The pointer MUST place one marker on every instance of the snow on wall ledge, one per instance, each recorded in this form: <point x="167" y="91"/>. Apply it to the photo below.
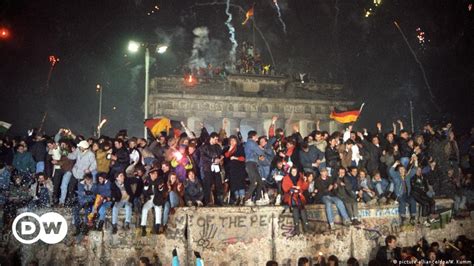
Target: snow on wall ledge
<point x="234" y="236"/>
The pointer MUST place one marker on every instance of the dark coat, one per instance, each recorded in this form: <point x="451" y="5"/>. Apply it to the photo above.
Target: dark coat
<point x="38" y="150"/>
<point x="332" y="157"/>
<point x="208" y="154"/>
<point x="156" y="189"/>
<point x="117" y="194"/>
<point x="123" y="158"/>
<point x="381" y="256"/>
<point x="373" y="155"/>
<point x="84" y="195"/>
<point x="193" y="191"/>
<point x="134" y="187"/>
<point x="235" y="169"/>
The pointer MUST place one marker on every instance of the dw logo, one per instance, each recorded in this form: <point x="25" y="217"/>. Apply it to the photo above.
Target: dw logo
<point x="50" y="228"/>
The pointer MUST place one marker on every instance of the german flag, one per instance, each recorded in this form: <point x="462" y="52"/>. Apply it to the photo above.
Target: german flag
<point x="158" y="125"/>
<point x="346" y="117"/>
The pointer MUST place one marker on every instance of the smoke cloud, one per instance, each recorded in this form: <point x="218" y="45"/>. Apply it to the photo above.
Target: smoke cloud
<point x="200" y="47"/>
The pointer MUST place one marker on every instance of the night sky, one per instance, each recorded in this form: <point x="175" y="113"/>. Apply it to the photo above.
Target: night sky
<point x="331" y="40"/>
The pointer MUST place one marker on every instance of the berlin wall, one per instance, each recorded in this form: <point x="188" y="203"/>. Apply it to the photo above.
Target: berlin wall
<point x="235" y="236"/>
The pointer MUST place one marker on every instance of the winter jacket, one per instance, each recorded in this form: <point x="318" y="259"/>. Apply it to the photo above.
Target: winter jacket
<point x="252" y="151"/>
<point x="290" y="193"/>
<point x="344" y="192"/>
<point x="405" y="150"/>
<point x="105" y="189"/>
<point x="24" y="162"/>
<point x="323" y="186"/>
<point x="103" y="164"/>
<point x="116" y="192"/>
<point x="84" y="161"/>
<point x="419" y="185"/>
<point x="86" y="193"/>
<point x="373" y="159"/>
<point x="398" y="181"/>
<point x="235" y="169"/>
<point x="208" y="154"/>
<point x="193" y="191"/>
<point x="155" y="188"/>
<point x="6" y="154"/>
<point x="181" y="166"/>
<point x="123" y="159"/>
<point x="384" y="186"/>
<point x="308" y="158"/>
<point x="38" y="151"/>
<point x="332" y="157"/>
<point x="36" y="190"/>
<point x="134" y="187"/>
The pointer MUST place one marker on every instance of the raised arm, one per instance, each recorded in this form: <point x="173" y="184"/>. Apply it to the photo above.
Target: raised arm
<point x="400" y="123"/>
<point x="271" y="129"/>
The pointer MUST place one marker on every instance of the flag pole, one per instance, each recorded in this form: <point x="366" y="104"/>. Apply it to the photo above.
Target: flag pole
<point x="360" y="111"/>
<point x="361" y="107"/>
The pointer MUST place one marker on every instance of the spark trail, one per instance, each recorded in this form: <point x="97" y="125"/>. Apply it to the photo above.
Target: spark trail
<point x="432" y="97"/>
<point x="241" y="9"/>
<point x="231" y="32"/>
<point x="279" y="15"/>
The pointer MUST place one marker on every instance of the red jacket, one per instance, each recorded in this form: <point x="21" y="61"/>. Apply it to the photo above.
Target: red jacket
<point x="287" y="186"/>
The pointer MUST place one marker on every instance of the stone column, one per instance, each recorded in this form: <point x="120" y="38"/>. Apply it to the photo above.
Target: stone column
<point x="306" y="127"/>
<point x="194" y="124"/>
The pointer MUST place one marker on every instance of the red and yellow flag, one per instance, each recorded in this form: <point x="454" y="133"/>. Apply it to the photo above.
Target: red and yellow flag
<point x="346" y="117"/>
<point x="248" y="15"/>
<point x="158" y="125"/>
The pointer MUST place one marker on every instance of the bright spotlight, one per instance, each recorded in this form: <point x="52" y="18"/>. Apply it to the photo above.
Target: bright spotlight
<point x="133" y="46"/>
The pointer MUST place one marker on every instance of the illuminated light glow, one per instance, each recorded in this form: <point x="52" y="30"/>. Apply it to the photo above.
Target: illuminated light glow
<point x="133" y="46"/>
<point x="53" y="60"/>
<point x="156" y="7"/>
<point x="98" y="86"/>
<point x="469" y="7"/>
<point x="190" y="80"/>
<point x="162" y="49"/>
<point x="368" y="13"/>
<point x="114" y="108"/>
<point x="377" y="2"/>
<point x="4" y="33"/>
<point x="178" y="155"/>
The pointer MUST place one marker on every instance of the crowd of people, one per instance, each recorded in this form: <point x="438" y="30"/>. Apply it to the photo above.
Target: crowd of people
<point x="457" y="252"/>
<point x="344" y="168"/>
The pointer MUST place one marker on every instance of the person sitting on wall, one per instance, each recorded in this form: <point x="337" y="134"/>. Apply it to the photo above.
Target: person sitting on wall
<point x="85" y="199"/>
<point x="153" y="193"/>
<point x="193" y="192"/>
<point x="325" y="187"/>
<point x="294" y="186"/>
<point x="121" y="196"/>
